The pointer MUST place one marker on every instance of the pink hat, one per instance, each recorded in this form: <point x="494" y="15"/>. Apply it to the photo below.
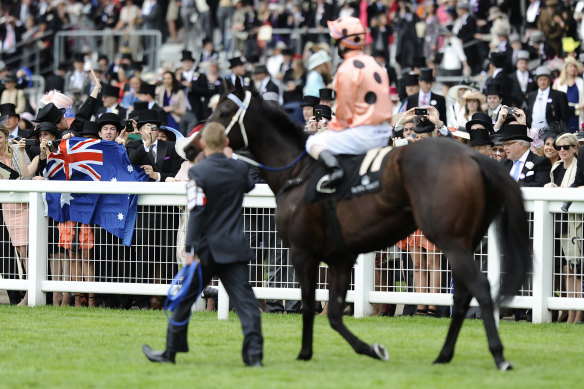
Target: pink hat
<point x="59" y="99"/>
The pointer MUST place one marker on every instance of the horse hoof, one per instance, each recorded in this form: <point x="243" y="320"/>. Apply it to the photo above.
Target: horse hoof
<point x="506" y="365"/>
<point x="380" y="352"/>
<point x="442" y="360"/>
<point x="304" y="356"/>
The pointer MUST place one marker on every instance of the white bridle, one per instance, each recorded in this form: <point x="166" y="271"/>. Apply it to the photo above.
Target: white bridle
<point x="240" y="114"/>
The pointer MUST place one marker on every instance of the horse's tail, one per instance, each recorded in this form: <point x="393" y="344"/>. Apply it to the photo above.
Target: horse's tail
<point x="512" y="225"/>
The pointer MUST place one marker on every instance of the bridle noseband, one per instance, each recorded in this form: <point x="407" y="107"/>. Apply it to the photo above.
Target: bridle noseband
<point x="240" y="114"/>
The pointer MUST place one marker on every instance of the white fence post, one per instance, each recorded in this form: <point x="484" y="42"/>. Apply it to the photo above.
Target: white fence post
<point x="222" y="303"/>
<point x="364" y="280"/>
<point x="37" y="250"/>
<point x="494" y="264"/>
<point x="543" y="243"/>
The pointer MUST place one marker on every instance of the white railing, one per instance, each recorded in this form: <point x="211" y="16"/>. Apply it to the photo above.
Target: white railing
<point x="541" y="203"/>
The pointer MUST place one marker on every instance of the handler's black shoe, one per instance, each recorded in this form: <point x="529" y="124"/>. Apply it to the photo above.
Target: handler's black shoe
<point x="254" y="362"/>
<point x="158" y="356"/>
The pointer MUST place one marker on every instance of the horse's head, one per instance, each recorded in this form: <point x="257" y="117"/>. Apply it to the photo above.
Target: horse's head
<point x="232" y="112"/>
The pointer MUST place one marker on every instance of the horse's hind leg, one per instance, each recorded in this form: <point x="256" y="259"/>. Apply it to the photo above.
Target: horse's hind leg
<point x="306" y="270"/>
<point x="462" y="299"/>
<point x="465" y="270"/>
<point x="339" y="277"/>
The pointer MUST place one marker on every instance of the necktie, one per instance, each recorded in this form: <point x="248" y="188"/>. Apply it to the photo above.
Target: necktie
<point x="517" y="171"/>
<point x="424" y="99"/>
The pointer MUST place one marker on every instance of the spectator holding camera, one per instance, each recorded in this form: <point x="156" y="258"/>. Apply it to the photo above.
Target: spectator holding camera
<point x="318" y="122"/>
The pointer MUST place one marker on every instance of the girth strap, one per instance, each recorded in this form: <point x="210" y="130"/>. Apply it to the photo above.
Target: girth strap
<point x="330" y="207"/>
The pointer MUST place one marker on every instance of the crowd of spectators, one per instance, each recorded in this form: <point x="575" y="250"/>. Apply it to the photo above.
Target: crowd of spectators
<point x="502" y="76"/>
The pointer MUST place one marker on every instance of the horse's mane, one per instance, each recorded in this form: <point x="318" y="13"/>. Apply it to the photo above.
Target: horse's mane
<point x="276" y="114"/>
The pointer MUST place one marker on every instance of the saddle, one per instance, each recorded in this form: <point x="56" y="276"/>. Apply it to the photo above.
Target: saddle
<point x="362" y="176"/>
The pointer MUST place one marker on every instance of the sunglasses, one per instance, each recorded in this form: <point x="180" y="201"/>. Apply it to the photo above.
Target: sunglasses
<point x="565" y="147"/>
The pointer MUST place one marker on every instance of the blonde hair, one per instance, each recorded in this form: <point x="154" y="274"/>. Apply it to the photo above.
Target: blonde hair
<point x="570" y="138"/>
<point x="563" y="74"/>
<point x="214" y="136"/>
<point x="7" y="148"/>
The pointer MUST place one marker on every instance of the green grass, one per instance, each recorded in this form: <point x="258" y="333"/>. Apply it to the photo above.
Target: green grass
<point x="49" y="347"/>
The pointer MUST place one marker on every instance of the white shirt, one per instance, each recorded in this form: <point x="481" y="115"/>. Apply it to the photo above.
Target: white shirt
<point x="538" y="119"/>
<point x="522" y="160"/>
<point x="453" y="54"/>
<point x="421" y="100"/>
<point x="523" y="78"/>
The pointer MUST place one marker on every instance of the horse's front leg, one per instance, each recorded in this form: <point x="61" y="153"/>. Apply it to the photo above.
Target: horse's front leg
<point x="306" y="271"/>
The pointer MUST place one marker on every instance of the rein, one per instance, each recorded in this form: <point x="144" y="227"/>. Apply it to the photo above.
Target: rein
<point x="240" y="114"/>
<point x="269" y="168"/>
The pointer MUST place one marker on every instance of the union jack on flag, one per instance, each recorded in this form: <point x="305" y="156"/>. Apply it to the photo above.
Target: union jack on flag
<point x="76" y="156"/>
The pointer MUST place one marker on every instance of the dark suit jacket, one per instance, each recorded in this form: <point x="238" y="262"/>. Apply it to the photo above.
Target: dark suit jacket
<point x="215" y="229"/>
<point x="122" y="112"/>
<point x="55" y="81"/>
<point x="83" y="115"/>
<point x="537" y="176"/>
<point x="167" y="160"/>
<point x="440" y="104"/>
<point x="557" y="110"/>
<point x="518" y="98"/>
<point x="579" y="179"/>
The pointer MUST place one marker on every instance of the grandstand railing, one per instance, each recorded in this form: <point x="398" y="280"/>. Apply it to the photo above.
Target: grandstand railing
<point x="381" y="277"/>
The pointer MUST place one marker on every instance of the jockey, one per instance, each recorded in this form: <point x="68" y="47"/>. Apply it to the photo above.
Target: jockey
<point x="363" y="102"/>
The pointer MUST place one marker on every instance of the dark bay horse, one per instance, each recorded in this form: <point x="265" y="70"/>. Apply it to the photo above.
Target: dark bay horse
<point x="439" y="185"/>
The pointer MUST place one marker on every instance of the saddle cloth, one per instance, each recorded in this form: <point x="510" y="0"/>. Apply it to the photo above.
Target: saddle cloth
<point x="362" y="176"/>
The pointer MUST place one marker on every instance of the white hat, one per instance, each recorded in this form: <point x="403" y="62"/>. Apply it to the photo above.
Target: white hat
<point x="59" y="99"/>
<point x="318" y="58"/>
<point x="523" y="54"/>
<point x="180" y="144"/>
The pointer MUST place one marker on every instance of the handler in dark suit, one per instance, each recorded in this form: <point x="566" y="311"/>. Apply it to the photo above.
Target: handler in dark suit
<point x="425" y="97"/>
<point x="546" y="107"/>
<point x="527" y="168"/>
<point x="215" y="235"/>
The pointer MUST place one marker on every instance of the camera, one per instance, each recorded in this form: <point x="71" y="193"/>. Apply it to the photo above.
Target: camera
<point x="129" y="126"/>
<point x="28" y="142"/>
<point x="511" y="111"/>
<point x="318" y="114"/>
<point x="420" y="111"/>
<point x="401" y="142"/>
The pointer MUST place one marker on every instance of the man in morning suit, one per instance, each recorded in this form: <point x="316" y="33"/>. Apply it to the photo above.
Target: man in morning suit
<point x="546" y="107"/>
<point x="214" y="198"/>
<point x="526" y="168"/>
<point x="425" y="97"/>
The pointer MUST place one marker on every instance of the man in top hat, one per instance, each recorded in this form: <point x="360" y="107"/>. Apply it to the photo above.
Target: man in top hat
<point x="237" y="66"/>
<point x="91" y="130"/>
<point x="264" y="84"/>
<point x="425" y="97"/>
<point x="158" y="158"/>
<point x="8" y="112"/>
<point x="526" y="168"/>
<point x="408" y="85"/>
<point x="546" y="107"/>
<point x="77" y="78"/>
<point x="109" y="126"/>
<point x="110" y="96"/>
<point x="208" y="53"/>
<point x="465" y="28"/>
<point x="479" y="128"/>
<point x="539" y="49"/>
<point x="522" y="80"/>
<point x="497" y="65"/>
<point x="147" y="93"/>
<point x="308" y="103"/>
<point x="494" y="93"/>
<point x="326" y="96"/>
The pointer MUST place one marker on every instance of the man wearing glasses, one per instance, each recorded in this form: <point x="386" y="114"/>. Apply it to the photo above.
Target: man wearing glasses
<point x="526" y="168"/>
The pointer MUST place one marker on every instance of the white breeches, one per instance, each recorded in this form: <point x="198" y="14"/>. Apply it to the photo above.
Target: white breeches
<point x="355" y="140"/>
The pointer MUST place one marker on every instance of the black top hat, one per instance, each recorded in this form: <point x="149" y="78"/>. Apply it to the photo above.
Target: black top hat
<point x="109" y="118"/>
<point x="479" y="137"/>
<point x="148" y="116"/>
<point x="235" y="61"/>
<point x="78" y="57"/>
<point x="47" y="126"/>
<point x="187" y="56"/>
<point x="10" y="77"/>
<point x="147" y="89"/>
<point x="260" y="69"/>
<point x="496" y="139"/>
<point x="480" y="118"/>
<point x="127" y="56"/>
<point x="8" y="109"/>
<point x="110" y="90"/>
<point x="426" y="75"/>
<point x="326" y="94"/>
<point x="423" y="125"/>
<point x="419" y="62"/>
<point x="494" y="88"/>
<point x="207" y="40"/>
<point x="90" y="128"/>
<point x="498" y="59"/>
<point x="326" y="111"/>
<point x="50" y="113"/>
<point x="515" y="132"/>
<point x="410" y="79"/>
<point x="140" y="106"/>
<point x="309" y="101"/>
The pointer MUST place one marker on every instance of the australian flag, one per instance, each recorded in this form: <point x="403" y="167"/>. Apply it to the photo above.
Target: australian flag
<point x="82" y="159"/>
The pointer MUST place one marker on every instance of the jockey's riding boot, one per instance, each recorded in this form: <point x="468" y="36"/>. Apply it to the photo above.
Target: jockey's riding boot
<point x="334" y="169"/>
